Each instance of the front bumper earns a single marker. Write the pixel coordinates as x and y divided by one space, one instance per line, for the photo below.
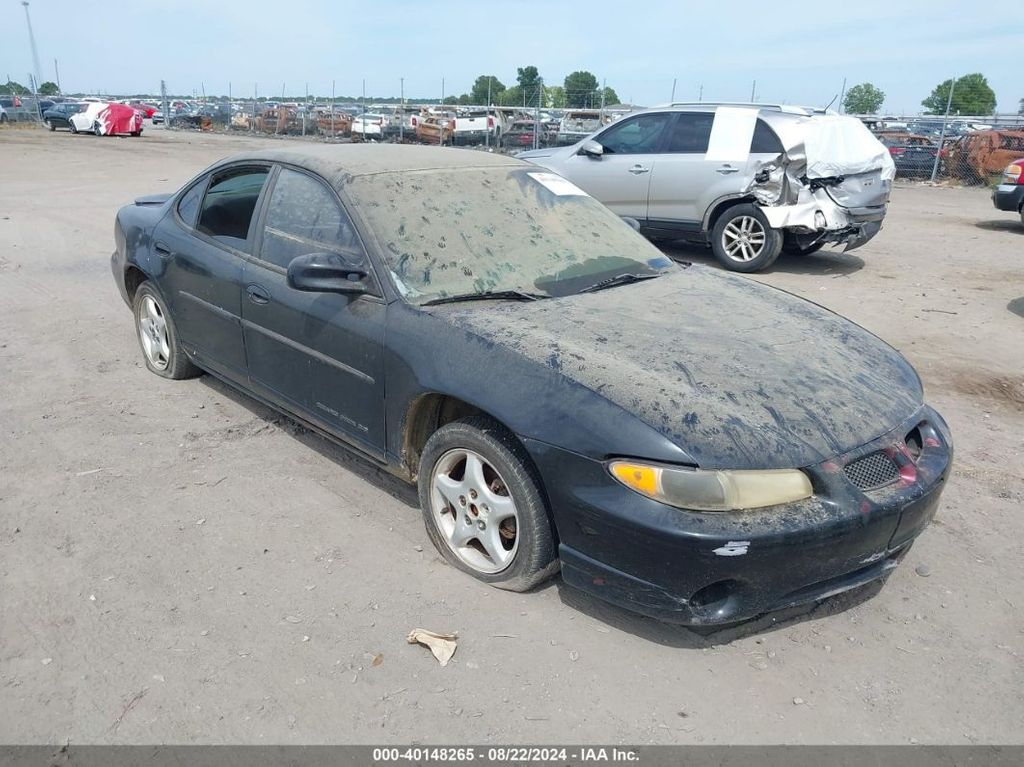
1008 197
720 568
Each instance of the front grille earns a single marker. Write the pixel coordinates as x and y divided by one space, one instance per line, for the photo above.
873 471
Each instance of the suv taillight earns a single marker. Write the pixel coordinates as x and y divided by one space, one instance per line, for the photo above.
490 123
1014 174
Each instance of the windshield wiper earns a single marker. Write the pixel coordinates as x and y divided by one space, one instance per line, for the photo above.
619 279
489 295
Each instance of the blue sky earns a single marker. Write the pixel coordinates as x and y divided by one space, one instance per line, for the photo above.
797 52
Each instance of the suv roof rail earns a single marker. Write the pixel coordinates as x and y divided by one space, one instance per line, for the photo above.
757 104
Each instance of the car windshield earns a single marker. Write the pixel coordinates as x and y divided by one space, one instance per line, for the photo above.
463 231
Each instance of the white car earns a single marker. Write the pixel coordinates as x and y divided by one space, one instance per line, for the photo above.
107 120
369 125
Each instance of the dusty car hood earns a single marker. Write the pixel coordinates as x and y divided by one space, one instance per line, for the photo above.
737 374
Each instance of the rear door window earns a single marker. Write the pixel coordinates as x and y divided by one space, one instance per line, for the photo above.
305 217
691 133
229 205
188 204
765 141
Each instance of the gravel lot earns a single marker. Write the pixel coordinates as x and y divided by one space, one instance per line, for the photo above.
178 564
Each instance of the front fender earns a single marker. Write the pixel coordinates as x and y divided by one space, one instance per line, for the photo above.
427 354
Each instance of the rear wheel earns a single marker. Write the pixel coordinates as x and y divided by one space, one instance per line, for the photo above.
50 125
743 241
71 127
97 129
483 505
158 337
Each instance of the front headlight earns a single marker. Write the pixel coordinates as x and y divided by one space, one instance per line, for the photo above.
713 490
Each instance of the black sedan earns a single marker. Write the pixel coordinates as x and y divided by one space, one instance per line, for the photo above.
59 115
686 443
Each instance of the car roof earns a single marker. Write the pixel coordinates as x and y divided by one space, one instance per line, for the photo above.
339 163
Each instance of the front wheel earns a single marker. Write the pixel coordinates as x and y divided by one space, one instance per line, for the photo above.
483 505
158 337
50 125
743 240
97 129
72 128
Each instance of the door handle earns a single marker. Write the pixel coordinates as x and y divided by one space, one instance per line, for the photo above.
161 250
727 169
637 169
257 294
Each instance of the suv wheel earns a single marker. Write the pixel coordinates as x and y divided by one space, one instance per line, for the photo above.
743 240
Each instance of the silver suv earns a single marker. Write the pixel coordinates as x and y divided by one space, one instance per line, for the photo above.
751 180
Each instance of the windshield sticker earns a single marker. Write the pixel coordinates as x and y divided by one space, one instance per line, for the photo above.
557 185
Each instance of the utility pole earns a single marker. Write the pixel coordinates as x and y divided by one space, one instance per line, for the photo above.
31 40
672 100
334 131
753 88
56 72
700 94
604 84
842 95
487 135
401 110
942 134
440 131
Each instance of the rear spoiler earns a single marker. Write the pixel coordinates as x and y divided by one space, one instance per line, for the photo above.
153 199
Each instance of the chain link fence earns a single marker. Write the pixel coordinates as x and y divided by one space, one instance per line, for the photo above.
945 148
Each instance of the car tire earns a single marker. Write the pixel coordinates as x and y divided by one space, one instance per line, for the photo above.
71 127
97 129
743 240
158 337
50 125
507 489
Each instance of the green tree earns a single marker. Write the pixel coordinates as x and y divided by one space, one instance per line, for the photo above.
451 100
863 99
554 96
971 96
511 97
581 89
478 94
14 88
49 89
610 96
528 78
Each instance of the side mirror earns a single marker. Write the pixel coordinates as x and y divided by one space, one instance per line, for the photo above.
326 273
592 149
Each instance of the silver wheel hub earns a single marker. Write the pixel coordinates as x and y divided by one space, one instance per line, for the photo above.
743 239
474 511
153 334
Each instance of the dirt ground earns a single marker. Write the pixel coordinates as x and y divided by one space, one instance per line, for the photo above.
178 564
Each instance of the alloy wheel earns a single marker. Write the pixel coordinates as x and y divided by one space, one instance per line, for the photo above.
474 512
743 238
153 334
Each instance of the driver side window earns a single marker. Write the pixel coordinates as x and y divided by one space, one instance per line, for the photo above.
304 217
637 135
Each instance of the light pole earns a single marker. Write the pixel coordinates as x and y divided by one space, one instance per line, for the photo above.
32 41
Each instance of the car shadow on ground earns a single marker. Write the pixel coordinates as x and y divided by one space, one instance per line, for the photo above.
345 458
1017 306
645 628
1001 225
824 262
